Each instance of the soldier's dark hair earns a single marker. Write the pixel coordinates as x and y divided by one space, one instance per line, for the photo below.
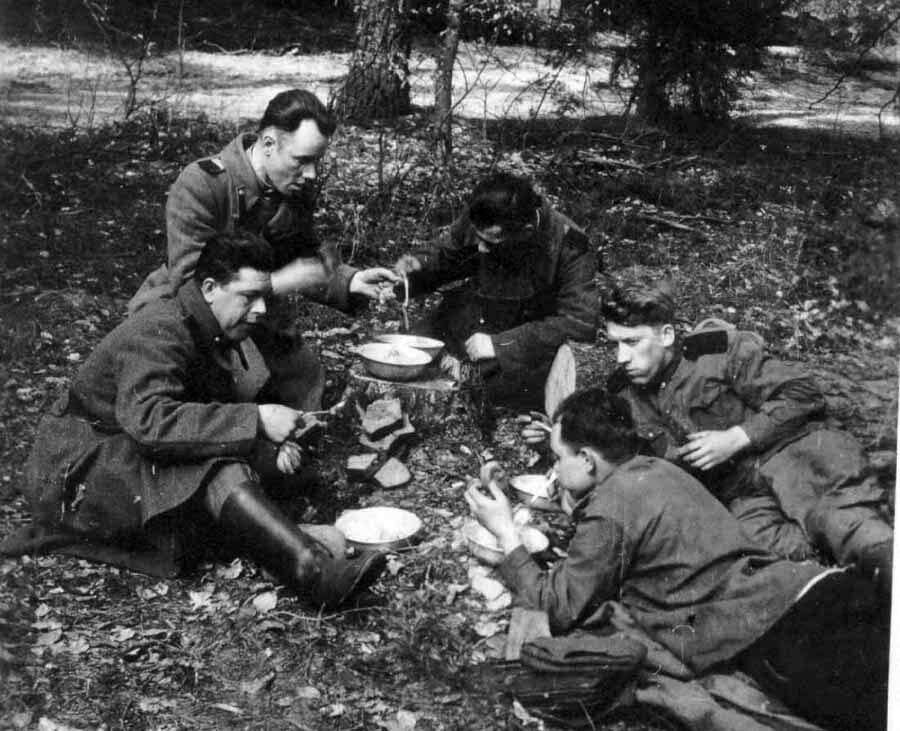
505 200
225 254
638 300
289 108
595 418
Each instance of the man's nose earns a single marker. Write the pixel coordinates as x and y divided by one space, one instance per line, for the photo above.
623 355
308 171
259 306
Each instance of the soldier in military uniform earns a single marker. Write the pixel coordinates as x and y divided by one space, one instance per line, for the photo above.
265 183
529 286
749 427
150 444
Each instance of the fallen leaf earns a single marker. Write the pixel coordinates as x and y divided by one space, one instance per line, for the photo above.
78 645
155 705
48 638
308 693
231 571
47 724
487 629
253 687
265 602
122 634
405 721
42 611
334 710
487 587
228 707
200 599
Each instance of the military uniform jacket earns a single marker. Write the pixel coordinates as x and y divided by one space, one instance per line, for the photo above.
146 418
652 537
532 305
720 378
217 195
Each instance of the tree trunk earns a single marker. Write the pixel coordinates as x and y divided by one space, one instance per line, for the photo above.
443 84
377 84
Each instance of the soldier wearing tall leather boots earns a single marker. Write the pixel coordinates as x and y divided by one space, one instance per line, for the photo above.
151 441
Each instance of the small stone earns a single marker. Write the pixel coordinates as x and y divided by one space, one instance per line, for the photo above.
359 466
382 417
393 473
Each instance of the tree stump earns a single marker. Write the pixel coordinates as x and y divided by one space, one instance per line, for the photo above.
428 402
576 366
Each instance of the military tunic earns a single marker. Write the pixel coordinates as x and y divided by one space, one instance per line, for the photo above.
651 537
144 422
799 486
218 195
529 303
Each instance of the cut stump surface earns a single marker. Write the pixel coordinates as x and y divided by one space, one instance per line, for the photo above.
427 402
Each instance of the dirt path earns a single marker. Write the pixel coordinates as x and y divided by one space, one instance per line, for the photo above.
68 88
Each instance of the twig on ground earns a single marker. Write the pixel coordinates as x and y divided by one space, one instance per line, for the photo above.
671 224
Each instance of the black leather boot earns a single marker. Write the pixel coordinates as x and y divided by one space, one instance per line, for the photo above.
262 530
341 577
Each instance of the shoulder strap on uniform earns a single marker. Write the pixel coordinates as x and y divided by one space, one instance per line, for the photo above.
705 342
212 166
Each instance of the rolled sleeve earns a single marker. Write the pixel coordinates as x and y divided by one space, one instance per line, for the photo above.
572 589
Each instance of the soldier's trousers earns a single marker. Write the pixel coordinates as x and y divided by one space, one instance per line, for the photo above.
817 494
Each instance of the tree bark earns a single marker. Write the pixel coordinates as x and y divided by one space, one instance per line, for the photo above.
377 84
443 84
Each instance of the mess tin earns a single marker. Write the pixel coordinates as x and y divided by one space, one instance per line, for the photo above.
537 491
383 528
432 346
393 362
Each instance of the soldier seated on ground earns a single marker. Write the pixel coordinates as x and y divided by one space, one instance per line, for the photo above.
749 427
650 536
150 442
529 286
266 183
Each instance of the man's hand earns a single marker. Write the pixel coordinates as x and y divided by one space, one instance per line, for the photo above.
536 429
480 347
371 282
495 514
289 457
452 366
279 422
407 264
707 449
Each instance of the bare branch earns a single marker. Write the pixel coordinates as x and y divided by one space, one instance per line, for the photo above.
858 63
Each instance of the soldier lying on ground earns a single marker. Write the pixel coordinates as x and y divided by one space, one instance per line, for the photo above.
650 536
529 286
747 426
267 183
150 443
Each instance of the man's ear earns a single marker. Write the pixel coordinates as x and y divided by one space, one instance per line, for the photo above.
207 288
589 459
269 140
667 335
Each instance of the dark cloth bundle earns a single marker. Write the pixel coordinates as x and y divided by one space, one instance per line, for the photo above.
573 679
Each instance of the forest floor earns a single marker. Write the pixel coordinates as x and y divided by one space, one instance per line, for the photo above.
790 231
